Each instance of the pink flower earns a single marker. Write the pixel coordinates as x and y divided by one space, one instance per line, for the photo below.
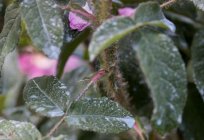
36 64
127 11
76 22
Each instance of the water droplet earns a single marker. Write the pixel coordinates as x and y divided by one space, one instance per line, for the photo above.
40 109
171 26
28 2
129 121
174 49
55 112
179 120
159 122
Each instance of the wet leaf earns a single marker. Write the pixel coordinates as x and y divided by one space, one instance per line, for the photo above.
192 120
198 61
138 95
114 29
99 115
68 49
44 25
47 95
164 72
18 131
10 34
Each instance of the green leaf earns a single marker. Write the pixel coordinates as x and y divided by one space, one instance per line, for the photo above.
114 29
138 95
68 49
18 131
44 25
199 4
198 61
100 115
151 12
10 34
164 72
47 95
192 120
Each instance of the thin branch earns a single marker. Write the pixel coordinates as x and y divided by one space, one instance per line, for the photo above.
56 126
139 131
101 73
168 3
94 79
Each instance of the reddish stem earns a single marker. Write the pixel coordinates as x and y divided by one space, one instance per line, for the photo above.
101 73
138 131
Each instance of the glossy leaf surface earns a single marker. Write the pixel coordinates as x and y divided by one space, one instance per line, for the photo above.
47 95
192 119
18 131
44 25
99 115
165 75
116 28
10 34
198 61
68 49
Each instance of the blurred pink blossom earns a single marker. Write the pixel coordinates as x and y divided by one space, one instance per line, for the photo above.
127 11
36 64
76 22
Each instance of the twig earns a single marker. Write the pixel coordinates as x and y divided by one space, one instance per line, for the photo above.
84 91
167 3
57 125
139 131
94 79
101 73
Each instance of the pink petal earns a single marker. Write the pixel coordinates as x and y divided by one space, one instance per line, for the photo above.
36 65
127 11
76 22
73 63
